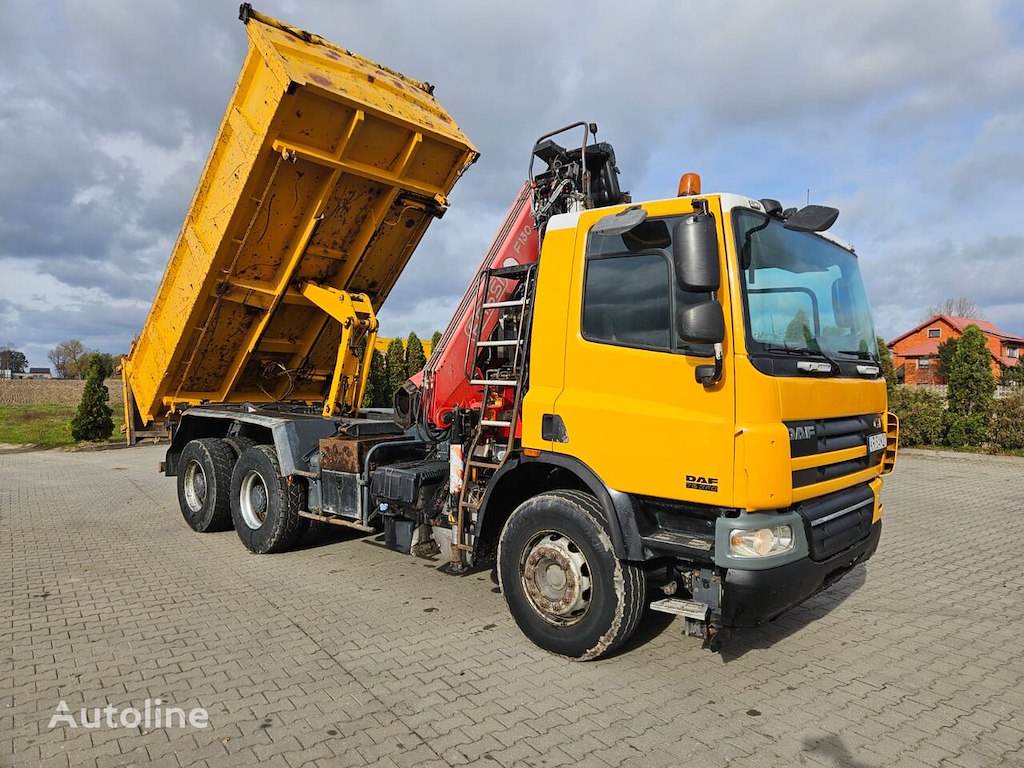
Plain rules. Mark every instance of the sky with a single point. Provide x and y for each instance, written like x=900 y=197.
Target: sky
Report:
x=908 y=117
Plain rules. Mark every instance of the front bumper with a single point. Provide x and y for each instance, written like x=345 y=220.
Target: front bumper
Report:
x=752 y=597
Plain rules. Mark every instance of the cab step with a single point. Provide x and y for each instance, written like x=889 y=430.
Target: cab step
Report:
x=689 y=609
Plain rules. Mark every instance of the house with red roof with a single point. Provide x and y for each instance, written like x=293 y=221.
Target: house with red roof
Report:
x=915 y=354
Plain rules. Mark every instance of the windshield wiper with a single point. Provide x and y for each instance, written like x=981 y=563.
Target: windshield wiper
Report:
x=788 y=350
x=861 y=354
x=802 y=351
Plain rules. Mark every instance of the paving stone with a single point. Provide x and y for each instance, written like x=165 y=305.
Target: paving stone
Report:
x=327 y=656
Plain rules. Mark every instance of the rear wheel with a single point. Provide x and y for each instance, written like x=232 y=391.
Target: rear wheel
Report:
x=265 y=506
x=564 y=586
x=239 y=444
x=204 y=482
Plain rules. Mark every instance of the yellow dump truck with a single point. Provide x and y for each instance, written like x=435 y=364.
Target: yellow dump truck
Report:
x=674 y=403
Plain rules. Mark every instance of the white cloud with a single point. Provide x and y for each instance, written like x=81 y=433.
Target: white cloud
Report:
x=905 y=115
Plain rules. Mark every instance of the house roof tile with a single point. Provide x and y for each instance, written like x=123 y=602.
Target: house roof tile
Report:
x=928 y=349
x=991 y=329
x=960 y=323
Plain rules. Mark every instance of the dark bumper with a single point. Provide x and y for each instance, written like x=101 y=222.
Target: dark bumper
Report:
x=754 y=597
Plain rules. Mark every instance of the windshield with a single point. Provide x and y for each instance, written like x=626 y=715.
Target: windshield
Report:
x=801 y=292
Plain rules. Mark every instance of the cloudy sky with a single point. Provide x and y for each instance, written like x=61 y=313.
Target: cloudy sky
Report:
x=908 y=117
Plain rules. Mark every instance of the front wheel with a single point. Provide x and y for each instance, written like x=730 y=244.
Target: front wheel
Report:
x=265 y=506
x=564 y=586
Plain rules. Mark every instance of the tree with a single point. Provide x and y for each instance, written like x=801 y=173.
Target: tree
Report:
x=69 y=359
x=798 y=332
x=395 y=364
x=947 y=351
x=377 y=394
x=885 y=361
x=959 y=306
x=94 y=419
x=12 y=360
x=415 y=357
x=1013 y=376
x=971 y=389
x=435 y=337
x=110 y=363
x=920 y=412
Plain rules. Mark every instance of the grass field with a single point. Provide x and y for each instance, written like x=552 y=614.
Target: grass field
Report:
x=40 y=413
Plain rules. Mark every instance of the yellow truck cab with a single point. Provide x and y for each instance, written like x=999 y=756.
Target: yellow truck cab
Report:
x=711 y=361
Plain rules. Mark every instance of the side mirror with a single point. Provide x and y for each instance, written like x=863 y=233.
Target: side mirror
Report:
x=702 y=323
x=695 y=253
x=812 y=218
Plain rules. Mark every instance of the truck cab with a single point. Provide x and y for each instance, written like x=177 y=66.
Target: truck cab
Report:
x=713 y=367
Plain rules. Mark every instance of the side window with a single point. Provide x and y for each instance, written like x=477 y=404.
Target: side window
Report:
x=626 y=301
x=630 y=297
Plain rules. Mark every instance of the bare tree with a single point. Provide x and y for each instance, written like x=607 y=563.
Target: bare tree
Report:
x=958 y=306
x=69 y=359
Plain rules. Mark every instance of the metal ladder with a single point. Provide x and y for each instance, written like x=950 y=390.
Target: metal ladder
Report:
x=495 y=381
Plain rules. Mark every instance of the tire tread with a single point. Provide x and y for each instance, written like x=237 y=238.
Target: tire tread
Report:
x=288 y=526
x=633 y=601
x=221 y=460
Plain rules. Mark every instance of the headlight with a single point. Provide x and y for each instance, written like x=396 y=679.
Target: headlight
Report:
x=761 y=542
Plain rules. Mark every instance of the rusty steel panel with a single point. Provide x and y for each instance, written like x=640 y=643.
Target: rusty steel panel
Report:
x=348 y=454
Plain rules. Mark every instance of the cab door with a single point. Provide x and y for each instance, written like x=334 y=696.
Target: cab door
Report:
x=631 y=407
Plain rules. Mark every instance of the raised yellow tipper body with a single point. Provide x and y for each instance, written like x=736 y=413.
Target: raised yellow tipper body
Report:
x=324 y=175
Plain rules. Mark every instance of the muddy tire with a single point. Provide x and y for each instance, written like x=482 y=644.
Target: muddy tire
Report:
x=264 y=507
x=564 y=586
x=204 y=485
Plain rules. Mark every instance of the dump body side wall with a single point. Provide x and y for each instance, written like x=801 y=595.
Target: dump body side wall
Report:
x=326 y=169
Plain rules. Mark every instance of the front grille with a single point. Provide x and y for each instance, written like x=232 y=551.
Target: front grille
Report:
x=838 y=521
x=821 y=436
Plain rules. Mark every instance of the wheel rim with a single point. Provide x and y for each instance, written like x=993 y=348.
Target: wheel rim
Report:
x=556 y=578
x=253 y=499
x=195 y=486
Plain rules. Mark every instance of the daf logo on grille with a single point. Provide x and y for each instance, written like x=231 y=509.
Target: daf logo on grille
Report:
x=801 y=433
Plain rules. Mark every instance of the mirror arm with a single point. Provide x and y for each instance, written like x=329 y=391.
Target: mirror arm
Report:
x=709 y=375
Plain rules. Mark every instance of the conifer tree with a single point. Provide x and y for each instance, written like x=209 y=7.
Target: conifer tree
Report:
x=798 y=332
x=377 y=394
x=395 y=363
x=971 y=389
x=415 y=357
x=947 y=351
x=94 y=419
x=885 y=361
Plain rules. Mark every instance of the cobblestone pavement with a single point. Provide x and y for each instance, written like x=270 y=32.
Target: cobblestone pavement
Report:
x=344 y=653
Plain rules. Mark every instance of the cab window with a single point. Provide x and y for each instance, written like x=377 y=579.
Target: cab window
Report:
x=626 y=301
x=630 y=294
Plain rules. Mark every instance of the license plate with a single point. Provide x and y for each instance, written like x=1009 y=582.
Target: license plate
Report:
x=876 y=442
